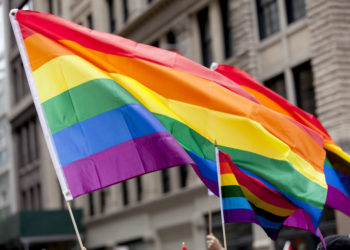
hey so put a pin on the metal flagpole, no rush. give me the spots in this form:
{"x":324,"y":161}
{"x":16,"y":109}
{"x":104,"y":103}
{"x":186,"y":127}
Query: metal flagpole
{"x":220,"y":195}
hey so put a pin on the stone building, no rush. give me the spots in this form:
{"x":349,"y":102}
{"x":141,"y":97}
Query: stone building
{"x":299,"y":48}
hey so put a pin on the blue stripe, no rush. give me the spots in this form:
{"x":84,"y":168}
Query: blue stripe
{"x":235,"y":203}
{"x":268,"y":224}
{"x":207,"y":168}
{"x":104,"y":131}
{"x":337,"y":179}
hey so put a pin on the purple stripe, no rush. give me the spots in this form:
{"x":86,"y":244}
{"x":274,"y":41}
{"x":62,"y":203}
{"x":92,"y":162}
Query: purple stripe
{"x":338,"y":200}
{"x":240,"y":215}
{"x":247,"y":215}
{"x":124,"y":161}
{"x":300,"y":219}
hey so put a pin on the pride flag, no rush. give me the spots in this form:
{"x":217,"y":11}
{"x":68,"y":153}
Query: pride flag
{"x":247,"y":199}
{"x":337,"y":164}
{"x":115,"y":109}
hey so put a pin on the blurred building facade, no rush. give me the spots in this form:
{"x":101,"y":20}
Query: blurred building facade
{"x":298,"y":48}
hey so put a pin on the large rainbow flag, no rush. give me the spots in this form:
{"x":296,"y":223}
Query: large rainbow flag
{"x":337,"y":164}
{"x":113,"y":109}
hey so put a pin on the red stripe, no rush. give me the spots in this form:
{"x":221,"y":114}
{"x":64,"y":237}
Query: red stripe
{"x":255,"y":186}
{"x":57,"y":28}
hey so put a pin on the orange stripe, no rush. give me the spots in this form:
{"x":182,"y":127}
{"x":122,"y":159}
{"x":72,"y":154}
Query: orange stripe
{"x":182,"y":86}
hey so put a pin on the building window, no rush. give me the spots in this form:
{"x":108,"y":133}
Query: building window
{"x":50,"y":3}
{"x":138,"y":244}
{"x":102,"y":201}
{"x":125,"y":10}
{"x":28,"y":144}
{"x":277,"y":84}
{"x":91,"y":204}
{"x":226,"y":27}
{"x":125,"y":193}
{"x":20,"y":85}
{"x":204,"y":29}
{"x":295,"y":10}
{"x":183,"y":175}
{"x":171,"y":40}
{"x":238,"y":235}
{"x":112,"y":19}
{"x":90,"y":21}
{"x":139,"y":188}
{"x":165,"y":180}
{"x":155,"y":44}
{"x":304,"y":88}
{"x":267,"y":17}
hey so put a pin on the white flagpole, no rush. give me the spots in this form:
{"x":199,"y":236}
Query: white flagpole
{"x":219,"y":186}
{"x":44,"y":125}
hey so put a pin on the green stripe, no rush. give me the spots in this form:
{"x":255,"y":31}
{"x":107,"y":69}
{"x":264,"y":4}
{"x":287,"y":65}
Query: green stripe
{"x":231,"y":191}
{"x":85,"y":101}
{"x":294,"y":183}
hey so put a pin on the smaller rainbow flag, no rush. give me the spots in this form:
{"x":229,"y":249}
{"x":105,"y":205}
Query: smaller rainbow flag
{"x":247,"y":199}
{"x":337,"y":163}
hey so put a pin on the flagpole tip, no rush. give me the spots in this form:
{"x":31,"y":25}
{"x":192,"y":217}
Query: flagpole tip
{"x":216,"y":144}
{"x":13,"y":12}
{"x":214,"y":65}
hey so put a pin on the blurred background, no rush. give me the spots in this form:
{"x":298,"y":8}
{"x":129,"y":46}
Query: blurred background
{"x":298,"y":48}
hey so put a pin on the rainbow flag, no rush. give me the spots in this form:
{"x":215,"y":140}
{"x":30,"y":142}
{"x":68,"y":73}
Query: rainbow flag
{"x":247,"y":199}
{"x":115,"y":109}
{"x":337,"y":164}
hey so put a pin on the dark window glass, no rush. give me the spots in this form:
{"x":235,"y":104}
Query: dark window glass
{"x":112,"y":19}
{"x":90,"y":22}
{"x":267,"y":17}
{"x":155,"y":44}
{"x":50,"y":3}
{"x":277,"y":84}
{"x":226,"y":27}
{"x":125,"y":193}
{"x":91,"y":204}
{"x":171,"y":39}
{"x":139,"y":188}
{"x":238,"y":235}
{"x":125,"y":10}
{"x":103,"y":201}
{"x":183,"y":175}
{"x":24,"y":202}
{"x":204,"y":29}
{"x":295,"y":10}
{"x":28,"y":144}
{"x":20,"y":84}
{"x":304,"y":87}
{"x":165,"y":180}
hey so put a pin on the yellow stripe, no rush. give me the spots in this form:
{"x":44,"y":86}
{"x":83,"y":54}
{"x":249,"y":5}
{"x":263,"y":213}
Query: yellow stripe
{"x":66,"y":72}
{"x":264,"y":205}
{"x":245,"y":134}
{"x":337,"y":150}
{"x":228,"y":180}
